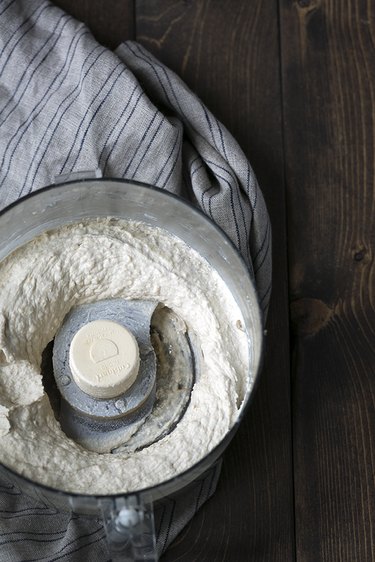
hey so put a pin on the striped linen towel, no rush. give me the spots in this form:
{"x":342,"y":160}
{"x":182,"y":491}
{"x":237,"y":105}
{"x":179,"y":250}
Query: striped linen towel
{"x":67,"y":104}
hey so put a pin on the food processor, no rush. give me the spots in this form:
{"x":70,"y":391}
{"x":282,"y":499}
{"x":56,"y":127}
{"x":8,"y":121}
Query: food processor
{"x":132,"y":347}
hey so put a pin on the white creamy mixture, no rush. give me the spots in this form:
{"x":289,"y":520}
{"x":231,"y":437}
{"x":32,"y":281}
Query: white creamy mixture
{"x":101,"y":259}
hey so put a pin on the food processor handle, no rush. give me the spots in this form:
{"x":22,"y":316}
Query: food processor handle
{"x":130,"y":530}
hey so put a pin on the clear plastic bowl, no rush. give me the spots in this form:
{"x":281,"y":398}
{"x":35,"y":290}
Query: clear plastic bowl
{"x":69,"y":202}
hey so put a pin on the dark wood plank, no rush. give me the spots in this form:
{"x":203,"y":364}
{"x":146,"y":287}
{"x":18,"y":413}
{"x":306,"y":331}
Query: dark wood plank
{"x":230,"y":58}
{"x":111,"y":22}
{"x":328,"y":75}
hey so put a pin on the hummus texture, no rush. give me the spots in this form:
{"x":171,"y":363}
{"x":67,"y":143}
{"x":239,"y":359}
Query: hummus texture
{"x":102,"y":259}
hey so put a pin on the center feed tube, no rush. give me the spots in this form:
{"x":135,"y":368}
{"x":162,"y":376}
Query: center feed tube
{"x":130,"y":529}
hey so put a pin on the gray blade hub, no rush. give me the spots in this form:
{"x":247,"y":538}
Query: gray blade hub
{"x":101,"y":424}
{"x":154,"y":404}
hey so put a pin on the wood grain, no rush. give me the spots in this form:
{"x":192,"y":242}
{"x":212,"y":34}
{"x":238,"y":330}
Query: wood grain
{"x":111,"y":22}
{"x":328,"y":75}
{"x":230,"y":58}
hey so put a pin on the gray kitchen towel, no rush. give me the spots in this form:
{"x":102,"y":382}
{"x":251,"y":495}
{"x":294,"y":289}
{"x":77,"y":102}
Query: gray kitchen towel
{"x":67,"y":104}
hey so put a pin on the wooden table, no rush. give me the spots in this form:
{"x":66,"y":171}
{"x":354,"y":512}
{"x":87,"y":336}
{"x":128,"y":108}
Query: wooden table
{"x":294,"y":81}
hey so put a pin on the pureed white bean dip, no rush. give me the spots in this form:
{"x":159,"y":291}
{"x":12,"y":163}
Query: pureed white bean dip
{"x":94,"y":260}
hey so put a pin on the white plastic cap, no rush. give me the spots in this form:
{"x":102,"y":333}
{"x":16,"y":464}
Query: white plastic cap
{"x":104,"y":359}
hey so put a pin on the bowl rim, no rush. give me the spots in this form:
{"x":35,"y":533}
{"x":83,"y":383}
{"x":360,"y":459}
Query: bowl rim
{"x":198,"y":468}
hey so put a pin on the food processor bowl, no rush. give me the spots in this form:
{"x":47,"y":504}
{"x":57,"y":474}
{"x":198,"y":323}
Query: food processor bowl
{"x":128,"y":518}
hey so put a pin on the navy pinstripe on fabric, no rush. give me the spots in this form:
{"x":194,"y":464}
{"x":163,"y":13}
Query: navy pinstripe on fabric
{"x":68,"y":60}
{"x":132,"y":112}
{"x":147,"y":147}
{"x":140,"y":144}
{"x":167,"y":167}
{"x":53,"y":131}
{"x":7,"y":6}
{"x":238,"y":210}
{"x":33,"y":113}
{"x":94,"y":115}
{"x":25,"y":80}
{"x":18,"y":38}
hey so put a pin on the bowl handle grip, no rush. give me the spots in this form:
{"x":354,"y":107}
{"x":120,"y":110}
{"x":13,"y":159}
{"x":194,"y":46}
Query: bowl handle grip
{"x":130,"y":530}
